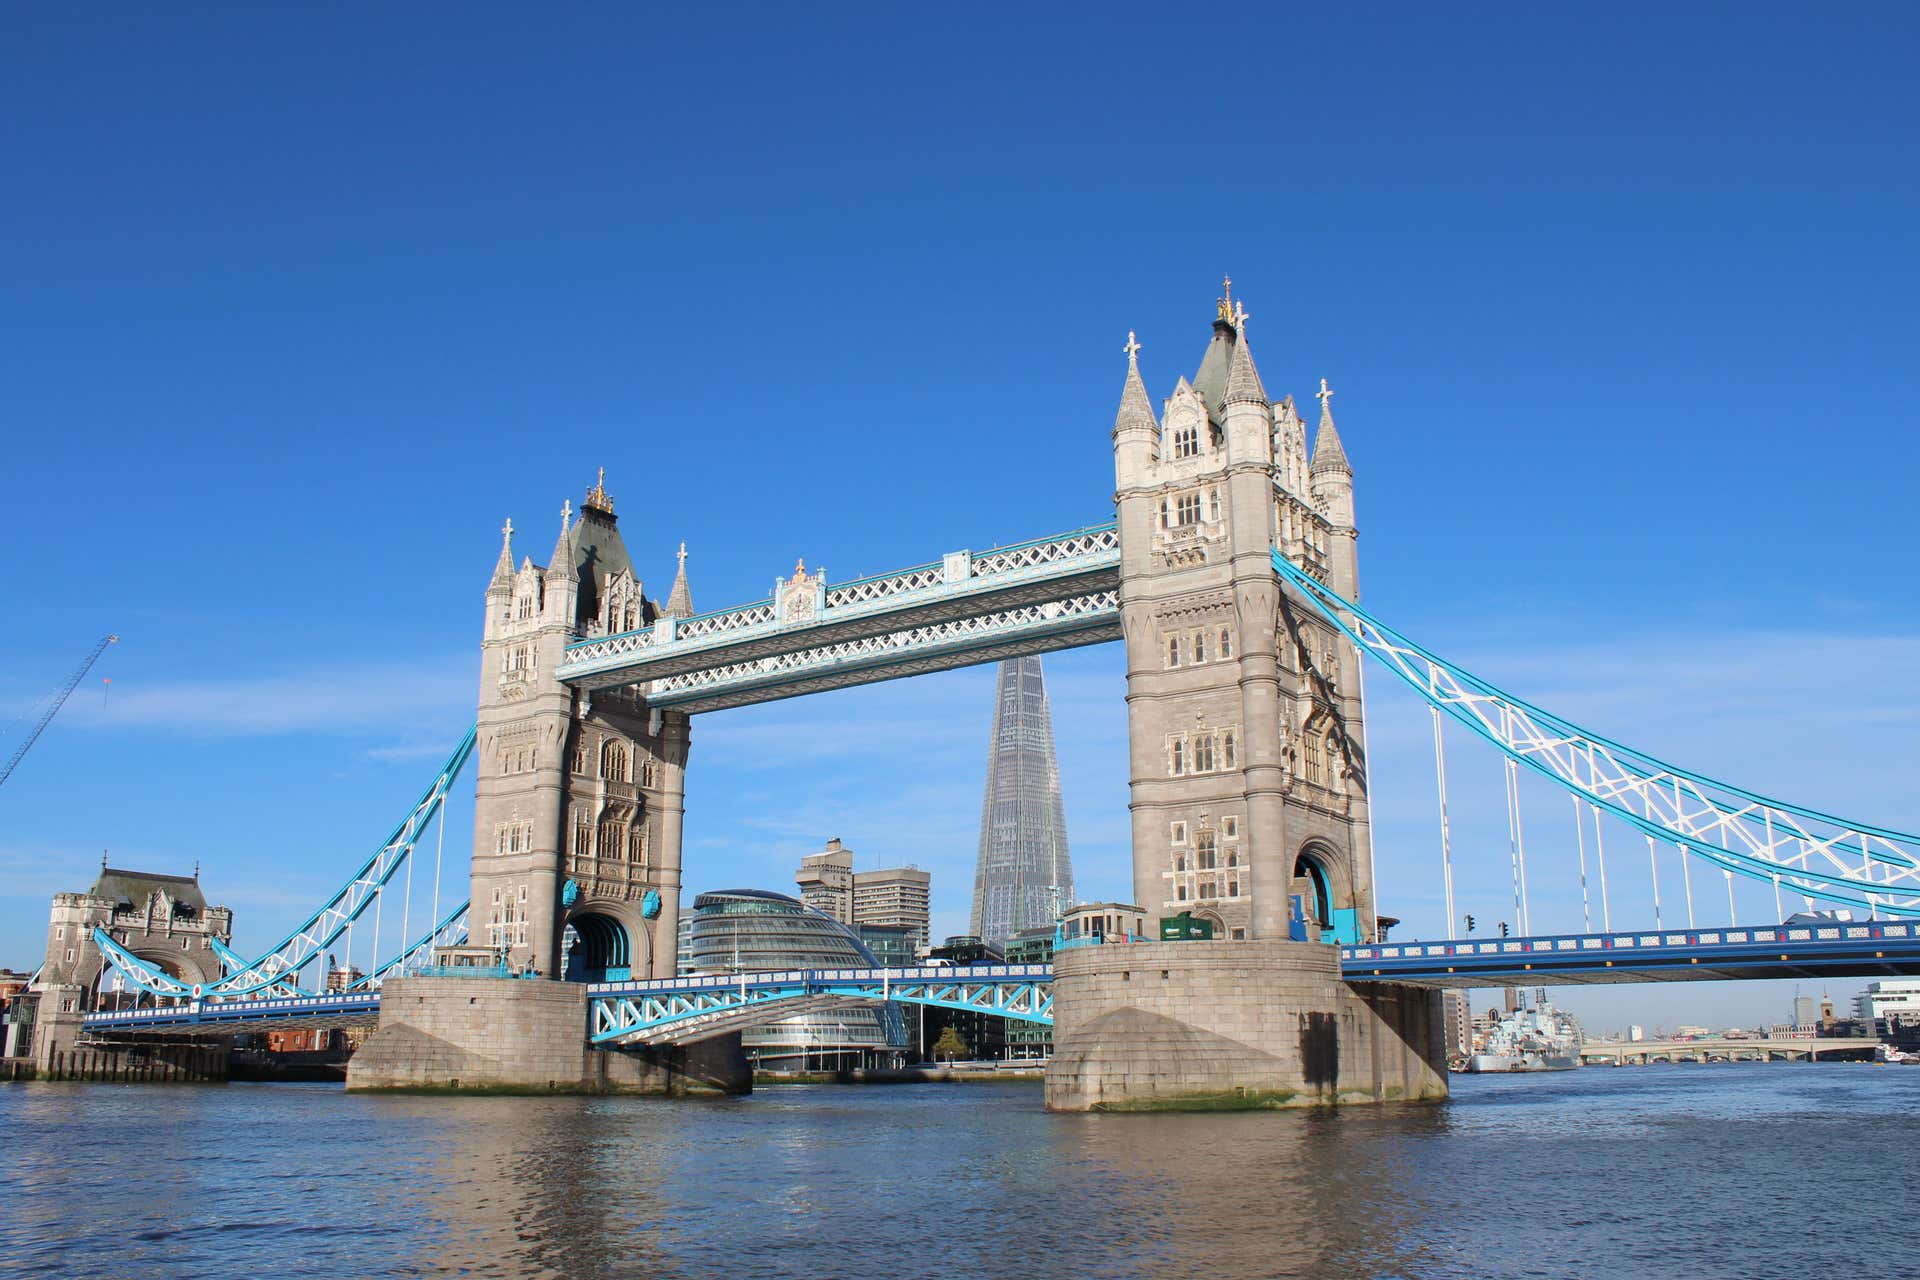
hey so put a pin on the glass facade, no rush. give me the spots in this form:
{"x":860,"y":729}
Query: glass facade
{"x":757,"y":931}
{"x":1025,"y":873}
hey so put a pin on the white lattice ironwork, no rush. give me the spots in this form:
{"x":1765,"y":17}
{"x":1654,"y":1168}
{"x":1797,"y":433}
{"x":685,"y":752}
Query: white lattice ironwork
{"x":962,"y":585}
{"x":1802,"y":850}
{"x":877,"y":657}
{"x":679,"y":1010}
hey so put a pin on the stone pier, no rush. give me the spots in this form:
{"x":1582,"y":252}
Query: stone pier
{"x":1182,"y":1026}
{"x":523,"y":1036}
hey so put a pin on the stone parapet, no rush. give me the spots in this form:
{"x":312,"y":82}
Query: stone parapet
{"x":521,"y":1035}
{"x":1228,"y":1025}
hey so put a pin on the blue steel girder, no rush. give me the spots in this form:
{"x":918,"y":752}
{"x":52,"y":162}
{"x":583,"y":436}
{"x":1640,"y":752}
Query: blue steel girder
{"x":684,"y":1009}
{"x":1835,"y":949}
{"x":1798,"y":849}
{"x":232,"y":1017}
{"x":1034,"y":597}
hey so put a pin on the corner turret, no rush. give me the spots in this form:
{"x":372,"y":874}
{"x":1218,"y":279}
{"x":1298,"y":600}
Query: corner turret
{"x":1136,"y":433}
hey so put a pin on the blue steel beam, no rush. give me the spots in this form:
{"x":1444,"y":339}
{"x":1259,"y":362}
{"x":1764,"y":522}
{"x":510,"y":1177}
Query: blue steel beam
{"x":232,"y":1017}
{"x":681,"y":1009}
{"x":1797,"y":849}
{"x":1840,"y":949}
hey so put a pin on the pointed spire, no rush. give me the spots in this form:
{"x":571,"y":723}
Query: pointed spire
{"x":1136,"y":411}
{"x":1243,"y":380}
{"x":503,"y":568}
{"x":1327,"y":453}
{"x":680,"y":599}
{"x":560,"y":563}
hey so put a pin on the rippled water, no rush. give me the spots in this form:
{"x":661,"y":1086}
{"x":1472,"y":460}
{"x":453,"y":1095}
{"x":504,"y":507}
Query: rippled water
{"x":1691,"y":1171}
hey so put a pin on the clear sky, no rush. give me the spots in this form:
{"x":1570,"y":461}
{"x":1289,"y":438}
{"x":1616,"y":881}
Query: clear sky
{"x":297,"y":306}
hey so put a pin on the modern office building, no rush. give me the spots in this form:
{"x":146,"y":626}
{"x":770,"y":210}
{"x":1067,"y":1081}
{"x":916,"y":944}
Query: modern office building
{"x":1892,"y":1001}
{"x":1024,"y":875}
{"x":755,"y":931}
{"x":890,"y":897}
{"x":895,"y":946}
{"x":1458,"y":1012}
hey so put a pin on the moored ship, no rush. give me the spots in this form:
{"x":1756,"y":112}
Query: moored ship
{"x":1542,"y":1038}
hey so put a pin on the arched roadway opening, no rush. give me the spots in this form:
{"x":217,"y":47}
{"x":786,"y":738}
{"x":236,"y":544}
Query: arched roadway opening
{"x":596,"y":948}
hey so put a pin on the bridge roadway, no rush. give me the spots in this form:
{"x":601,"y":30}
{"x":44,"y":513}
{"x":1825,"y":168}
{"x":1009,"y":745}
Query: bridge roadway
{"x":683,"y":1009}
{"x":1867,"y":949}
{"x":1757,"y":1050}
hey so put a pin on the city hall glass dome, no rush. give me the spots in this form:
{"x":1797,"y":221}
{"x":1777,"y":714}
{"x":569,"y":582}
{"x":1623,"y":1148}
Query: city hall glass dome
{"x":758,"y":931}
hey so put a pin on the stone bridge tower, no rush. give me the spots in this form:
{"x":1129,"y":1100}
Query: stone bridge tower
{"x":1248,"y":779}
{"x":577,"y":813}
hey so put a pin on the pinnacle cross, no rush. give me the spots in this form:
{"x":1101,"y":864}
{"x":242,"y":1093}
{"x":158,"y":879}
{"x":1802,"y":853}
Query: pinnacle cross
{"x":566,"y":515}
{"x":1132,"y":349}
{"x":506,"y":532}
{"x":682,"y":556}
{"x":1240,"y":316}
{"x":1323,"y":395}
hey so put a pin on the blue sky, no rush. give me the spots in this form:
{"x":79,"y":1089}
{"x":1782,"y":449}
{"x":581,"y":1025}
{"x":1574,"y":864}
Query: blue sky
{"x":298,"y":306}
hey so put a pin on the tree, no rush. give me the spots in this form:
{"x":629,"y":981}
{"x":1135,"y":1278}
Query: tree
{"x":950,"y":1045}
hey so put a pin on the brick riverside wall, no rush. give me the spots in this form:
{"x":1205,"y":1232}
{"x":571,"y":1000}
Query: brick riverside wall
{"x":516,"y":1034}
{"x":1173,"y":1025}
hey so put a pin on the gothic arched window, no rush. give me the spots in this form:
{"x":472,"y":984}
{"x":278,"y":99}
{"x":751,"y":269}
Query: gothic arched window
{"x":613,"y":762}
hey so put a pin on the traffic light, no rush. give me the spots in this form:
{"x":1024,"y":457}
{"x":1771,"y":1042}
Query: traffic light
{"x":1503,"y":928}
{"x":1469,"y":922}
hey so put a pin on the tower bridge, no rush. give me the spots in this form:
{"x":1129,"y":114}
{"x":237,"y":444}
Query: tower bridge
{"x":1229,"y":572}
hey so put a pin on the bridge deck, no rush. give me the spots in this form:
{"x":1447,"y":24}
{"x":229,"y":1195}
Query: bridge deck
{"x":970,"y":607}
{"x":1865,"y":950}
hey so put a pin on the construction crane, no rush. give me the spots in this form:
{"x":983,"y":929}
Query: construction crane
{"x":59,"y":700}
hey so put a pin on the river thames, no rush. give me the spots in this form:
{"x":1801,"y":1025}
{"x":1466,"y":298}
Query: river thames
{"x":1693,"y":1171}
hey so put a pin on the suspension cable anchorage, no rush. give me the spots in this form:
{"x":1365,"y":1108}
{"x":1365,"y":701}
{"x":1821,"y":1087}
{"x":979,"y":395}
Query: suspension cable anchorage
{"x":1639,"y":788}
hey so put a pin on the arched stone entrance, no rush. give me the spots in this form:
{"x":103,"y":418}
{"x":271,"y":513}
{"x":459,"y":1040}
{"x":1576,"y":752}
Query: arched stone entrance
{"x":599,"y":945}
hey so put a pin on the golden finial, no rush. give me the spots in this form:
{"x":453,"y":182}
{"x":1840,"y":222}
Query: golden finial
{"x":597,"y":499}
{"x":800,"y":567}
{"x":1225,"y":308}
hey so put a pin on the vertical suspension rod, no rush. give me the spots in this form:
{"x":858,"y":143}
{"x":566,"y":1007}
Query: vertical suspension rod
{"x":1580,"y":839}
{"x":1653,"y":864}
{"x":1446,"y":839}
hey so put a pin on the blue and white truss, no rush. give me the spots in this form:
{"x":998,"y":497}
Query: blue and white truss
{"x":969,"y":607}
{"x":273,"y":970}
{"x":1803,"y":850}
{"x":678,"y":1010}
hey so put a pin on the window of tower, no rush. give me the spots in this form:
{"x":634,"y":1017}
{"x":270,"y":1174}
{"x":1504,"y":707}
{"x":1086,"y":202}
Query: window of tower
{"x":1180,"y":893}
{"x":1173,"y":651}
{"x":1186,"y":441}
{"x":1226,"y":642}
{"x":1208,"y":855}
{"x":613,"y":839}
{"x":649,"y":772}
{"x":582,"y":836}
{"x":637,"y":847}
{"x":579,"y":764}
{"x":1203,"y":761}
{"x":1199,"y":646}
{"x":613,"y":762}
{"x":1179,"y":756}
{"x":1227,"y":750}
{"x":1213,"y":505}
{"x":1187,"y":510}
{"x":1179,"y":833}
{"x":1315,"y":757}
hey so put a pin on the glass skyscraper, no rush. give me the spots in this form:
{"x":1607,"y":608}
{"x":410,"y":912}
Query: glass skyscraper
{"x":1024,"y":877}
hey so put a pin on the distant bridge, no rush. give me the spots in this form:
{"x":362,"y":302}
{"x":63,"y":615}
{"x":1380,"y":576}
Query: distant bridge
{"x":1759,"y":1050}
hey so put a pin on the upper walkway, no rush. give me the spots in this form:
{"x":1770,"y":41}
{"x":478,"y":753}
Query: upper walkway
{"x":809,"y":635}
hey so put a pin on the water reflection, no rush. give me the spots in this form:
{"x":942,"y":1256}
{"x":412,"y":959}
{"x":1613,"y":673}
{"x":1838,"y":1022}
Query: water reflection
{"x":1651,"y":1172}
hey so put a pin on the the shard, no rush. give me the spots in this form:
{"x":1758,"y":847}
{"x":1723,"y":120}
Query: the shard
{"x":1024,"y":877}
